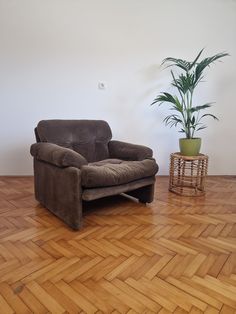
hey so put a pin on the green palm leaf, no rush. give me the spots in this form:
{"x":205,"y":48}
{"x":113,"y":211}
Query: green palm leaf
{"x":195,"y":61}
{"x":198,"y":108}
{"x":209,"y":115}
{"x":184,"y":65}
{"x":164,"y":97}
{"x":205,"y":63}
{"x":172,"y":120}
{"x":201,"y":128}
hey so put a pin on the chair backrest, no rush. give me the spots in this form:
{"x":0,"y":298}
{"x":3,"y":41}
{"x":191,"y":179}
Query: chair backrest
{"x":88,"y":137}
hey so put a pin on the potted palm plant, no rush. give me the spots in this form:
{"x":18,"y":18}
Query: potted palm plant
{"x":187,"y":115}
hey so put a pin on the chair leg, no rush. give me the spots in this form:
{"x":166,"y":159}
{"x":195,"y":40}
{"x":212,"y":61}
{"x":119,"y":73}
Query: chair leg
{"x":144,"y":194}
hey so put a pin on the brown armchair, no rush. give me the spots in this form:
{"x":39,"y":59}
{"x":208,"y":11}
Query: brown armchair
{"x":76,"y":161}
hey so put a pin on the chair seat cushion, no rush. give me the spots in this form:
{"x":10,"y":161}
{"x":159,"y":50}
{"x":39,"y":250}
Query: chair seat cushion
{"x":111,"y":172}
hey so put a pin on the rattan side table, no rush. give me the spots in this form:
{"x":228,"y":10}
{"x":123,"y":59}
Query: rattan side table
{"x":188,"y":174}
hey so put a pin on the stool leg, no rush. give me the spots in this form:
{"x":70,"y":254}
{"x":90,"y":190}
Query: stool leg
{"x":191,"y":180}
{"x":171,"y":179}
{"x":179,"y":172}
{"x":203,"y":174}
{"x":183,"y":176}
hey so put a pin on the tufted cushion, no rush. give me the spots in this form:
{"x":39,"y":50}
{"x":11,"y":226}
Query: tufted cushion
{"x":113,"y":172}
{"x":88,"y":137}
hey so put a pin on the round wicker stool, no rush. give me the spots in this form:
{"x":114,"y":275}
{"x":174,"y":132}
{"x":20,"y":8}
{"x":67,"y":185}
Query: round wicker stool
{"x":188,"y":174}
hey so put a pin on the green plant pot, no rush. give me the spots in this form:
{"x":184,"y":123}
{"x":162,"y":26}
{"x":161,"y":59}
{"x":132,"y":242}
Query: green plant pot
{"x":190,"y":147}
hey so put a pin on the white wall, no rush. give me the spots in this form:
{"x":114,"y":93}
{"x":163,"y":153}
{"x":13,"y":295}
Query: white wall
{"x":53,"y":53}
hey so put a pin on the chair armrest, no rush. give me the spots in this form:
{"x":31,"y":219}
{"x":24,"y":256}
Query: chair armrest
{"x":57,"y":155}
{"x":127,"y":151}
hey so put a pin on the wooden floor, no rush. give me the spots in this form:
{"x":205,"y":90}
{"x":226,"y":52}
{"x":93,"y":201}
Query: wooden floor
{"x":176,"y":255}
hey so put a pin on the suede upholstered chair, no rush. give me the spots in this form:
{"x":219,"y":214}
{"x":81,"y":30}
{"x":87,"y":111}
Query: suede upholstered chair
{"x":76,"y":161}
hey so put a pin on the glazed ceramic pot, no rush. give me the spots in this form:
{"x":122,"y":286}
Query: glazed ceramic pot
{"x":190,"y":146}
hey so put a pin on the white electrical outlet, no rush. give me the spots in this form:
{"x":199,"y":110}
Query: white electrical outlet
{"x":102,"y":85}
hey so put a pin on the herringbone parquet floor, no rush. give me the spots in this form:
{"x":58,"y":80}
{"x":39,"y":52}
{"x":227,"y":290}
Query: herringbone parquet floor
{"x":176,"y":255}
